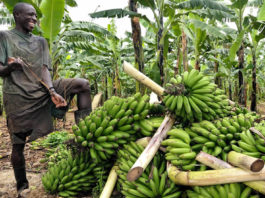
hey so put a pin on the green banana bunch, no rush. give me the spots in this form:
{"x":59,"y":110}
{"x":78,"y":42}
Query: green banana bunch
{"x":70,"y":176}
{"x":193,"y":97}
{"x":215,"y":138}
{"x":178,"y":149}
{"x":144,"y":128}
{"x":113,"y":125}
{"x":152,"y":183}
{"x":233,"y":190}
{"x":155,"y":121}
{"x":251,"y":144}
{"x":61,"y":152}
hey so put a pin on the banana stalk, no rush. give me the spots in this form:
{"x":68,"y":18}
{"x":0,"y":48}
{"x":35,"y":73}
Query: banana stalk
{"x":96,"y":101}
{"x":216,"y":163}
{"x":252,"y":129}
{"x":110,"y":184}
{"x":211,"y":177}
{"x":151,"y":149}
{"x":211,"y":161}
{"x":130,"y":70}
{"x":245,"y":162}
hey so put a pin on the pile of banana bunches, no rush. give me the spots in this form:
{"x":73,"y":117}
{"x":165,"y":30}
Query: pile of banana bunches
{"x":192,"y":97}
{"x":207,"y":123}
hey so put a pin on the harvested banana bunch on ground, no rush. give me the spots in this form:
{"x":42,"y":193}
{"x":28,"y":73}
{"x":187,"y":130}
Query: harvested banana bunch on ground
{"x":250,"y":143}
{"x":114,"y":124}
{"x":233,"y":190}
{"x":152,"y":183}
{"x":193,"y":97}
{"x":71,"y":176}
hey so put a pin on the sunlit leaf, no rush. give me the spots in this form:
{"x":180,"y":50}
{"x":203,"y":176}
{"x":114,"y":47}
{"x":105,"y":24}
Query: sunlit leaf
{"x":212,"y":30}
{"x":199,"y":4}
{"x":236,"y":45}
{"x":119,"y":13}
{"x":53,"y":11}
{"x":261,"y":13}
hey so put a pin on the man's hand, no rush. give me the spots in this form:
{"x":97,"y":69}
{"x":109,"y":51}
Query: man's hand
{"x":58,"y":100}
{"x":14,"y":63}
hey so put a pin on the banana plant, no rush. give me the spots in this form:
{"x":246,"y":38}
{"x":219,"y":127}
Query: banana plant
{"x":96,"y":52}
{"x":256,"y":35}
{"x":239,"y":7}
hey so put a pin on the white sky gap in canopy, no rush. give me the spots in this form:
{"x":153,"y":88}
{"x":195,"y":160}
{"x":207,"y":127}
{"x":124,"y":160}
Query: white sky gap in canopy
{"x":81,"y":13}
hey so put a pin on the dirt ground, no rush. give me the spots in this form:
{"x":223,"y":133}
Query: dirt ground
{"x":34,"y":168}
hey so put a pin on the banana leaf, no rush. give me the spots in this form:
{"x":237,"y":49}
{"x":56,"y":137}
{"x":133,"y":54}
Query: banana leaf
{"x":261,"y":14}
{"x":236,"y":45}
{"x":53,"y":11}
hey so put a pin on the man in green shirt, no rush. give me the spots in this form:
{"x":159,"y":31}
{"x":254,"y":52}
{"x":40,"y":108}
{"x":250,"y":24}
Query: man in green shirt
{"x":29,"y":94}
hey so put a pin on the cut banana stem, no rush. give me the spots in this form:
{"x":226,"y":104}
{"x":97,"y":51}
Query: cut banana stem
{"x":216,"y":163}
{"x":212,"y":161}
{"x":130,"y":70}
{"x":151,"y":149}
{"x":232,"y":103}
{"x":96,"y":101}
{"x":110,"y":184}
{"x":252,"y":129}
{"x":212,"y":177}
{"x":246,"y":162}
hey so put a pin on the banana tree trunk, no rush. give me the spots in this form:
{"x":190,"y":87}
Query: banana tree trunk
{"x":236,"y":91}
{"x":177,"y":68}
{"x":230,"y":89}
{"x":197,"y":60}
{"x":137,"y":42}
{"x":117,"y":82}
{"x":105,"y":85}
{"x":109,"y":86}
{"x":96,"y":86}
{"x":216,"y":69}
{"x":184,"y":51}
{"x":160,"y":48}
{"x":241,"y":85}
{"x":253,"y":106}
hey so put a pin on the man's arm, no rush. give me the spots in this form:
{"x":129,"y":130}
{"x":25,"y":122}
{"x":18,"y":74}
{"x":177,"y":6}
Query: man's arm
{"x":13,"y":64}
{"x":58,"y":100}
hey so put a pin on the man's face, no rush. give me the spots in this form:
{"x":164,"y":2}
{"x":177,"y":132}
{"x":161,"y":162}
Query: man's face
{"x":27,"y":18}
